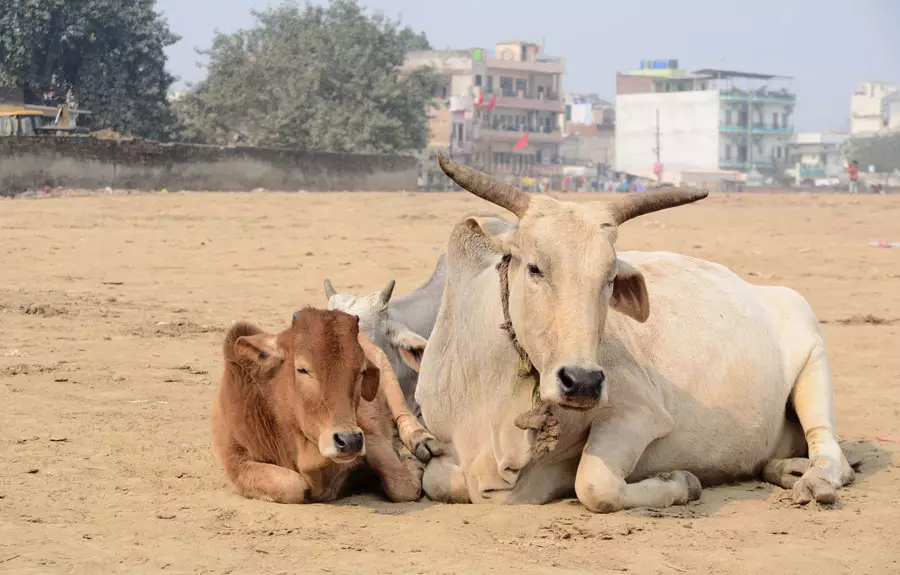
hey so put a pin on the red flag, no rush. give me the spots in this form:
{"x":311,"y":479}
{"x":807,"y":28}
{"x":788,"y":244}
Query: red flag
{"x":491,"y":104}
{"x":480,"y":100}
{"x":523,"y":141}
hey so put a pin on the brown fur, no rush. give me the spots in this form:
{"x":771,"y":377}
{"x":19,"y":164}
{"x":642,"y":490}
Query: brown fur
{"x":283,"y":397}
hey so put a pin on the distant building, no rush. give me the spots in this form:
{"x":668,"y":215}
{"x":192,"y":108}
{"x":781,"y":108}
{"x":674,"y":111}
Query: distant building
{"x":817,"y":155}
{"x":487,"y":103}
{"x":589,"y":132}
{"x":706,"y":121}
{"x":875,"y":109}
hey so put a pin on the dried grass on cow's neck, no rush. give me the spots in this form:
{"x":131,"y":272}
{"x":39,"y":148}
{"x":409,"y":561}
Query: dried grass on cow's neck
{"x":540,"y":418}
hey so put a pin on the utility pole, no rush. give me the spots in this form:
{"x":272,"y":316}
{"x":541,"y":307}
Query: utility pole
{"x":656,"y":149}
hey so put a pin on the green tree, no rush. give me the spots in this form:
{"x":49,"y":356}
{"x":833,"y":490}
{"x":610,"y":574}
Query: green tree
{"x":109,"y":53}
{"x":313,"y":77}
{"x":881,"y":151}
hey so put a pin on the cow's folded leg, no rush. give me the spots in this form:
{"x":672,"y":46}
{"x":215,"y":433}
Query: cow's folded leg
{"x":811,"y":398}
{"x":613,"y":448}
{"x":268,"y":482}
{"x":400,"y":481}
{"x":444,"y":481}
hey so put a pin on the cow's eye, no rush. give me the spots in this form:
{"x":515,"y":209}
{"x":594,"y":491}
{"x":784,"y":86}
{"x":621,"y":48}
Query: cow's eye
{"x":263,"y":356}
{"x":302,"y":371}
{"x":535,"y":271}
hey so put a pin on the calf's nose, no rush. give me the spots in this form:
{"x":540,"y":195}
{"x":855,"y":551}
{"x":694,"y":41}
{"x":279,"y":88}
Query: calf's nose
{"x":581,"y":382}
{"x":348,"y":443}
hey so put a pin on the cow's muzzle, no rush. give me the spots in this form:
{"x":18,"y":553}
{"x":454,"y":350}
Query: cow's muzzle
{"x":580,"y":387}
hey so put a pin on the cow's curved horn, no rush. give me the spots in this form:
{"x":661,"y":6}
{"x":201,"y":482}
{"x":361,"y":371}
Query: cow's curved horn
{"x":634,"y":205}
{"x":387,"y":291}
{"x":486,"y":187}
{"x":329,"y":289}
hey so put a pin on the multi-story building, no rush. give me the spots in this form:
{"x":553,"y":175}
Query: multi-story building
{"x":875,"y":109}
{"x":489,"y":102}
{"x":706,"y":121}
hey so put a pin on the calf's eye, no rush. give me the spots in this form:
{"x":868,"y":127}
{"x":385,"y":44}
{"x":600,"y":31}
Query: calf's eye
{"x":263,"y":356}
{"x":302,"y":371}
{"x":534,"y":271}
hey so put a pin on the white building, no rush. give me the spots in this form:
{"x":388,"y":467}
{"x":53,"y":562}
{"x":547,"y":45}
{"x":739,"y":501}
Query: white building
{"x":817,"y":156}
{"x":875,"y":109}
{"x":708,"y":121}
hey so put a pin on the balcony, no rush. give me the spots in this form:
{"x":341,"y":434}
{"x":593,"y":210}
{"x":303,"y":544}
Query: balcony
{"x":782,"y":96}
{"x":756,"y":129}
{"x":511,"y":100}
{"x":506,"y":134}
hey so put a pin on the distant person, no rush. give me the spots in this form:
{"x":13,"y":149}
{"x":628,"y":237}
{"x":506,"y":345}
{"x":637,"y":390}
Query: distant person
{"x":853,"y":171}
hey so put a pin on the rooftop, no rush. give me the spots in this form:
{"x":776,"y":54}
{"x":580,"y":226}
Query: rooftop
{"x":723,"y":74}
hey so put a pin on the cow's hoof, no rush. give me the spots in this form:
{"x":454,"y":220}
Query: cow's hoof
{"x":425,"y":446}
{"x":814,"y":485}
{"x":785,"y":473}
{"x":689,"y":487}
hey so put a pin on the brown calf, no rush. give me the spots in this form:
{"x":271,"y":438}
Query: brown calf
{"x":288,"y":424}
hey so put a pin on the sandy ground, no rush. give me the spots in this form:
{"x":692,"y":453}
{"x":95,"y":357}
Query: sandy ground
{"x":111,"y":314}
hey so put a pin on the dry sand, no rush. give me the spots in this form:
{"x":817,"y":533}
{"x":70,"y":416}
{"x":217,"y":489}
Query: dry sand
{"x":111,"y":314}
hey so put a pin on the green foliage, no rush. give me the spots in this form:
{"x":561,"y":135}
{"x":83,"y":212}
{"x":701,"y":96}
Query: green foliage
{"x":110,"y":53}
{"x":882,"y":151}
{"x":313,"y":77}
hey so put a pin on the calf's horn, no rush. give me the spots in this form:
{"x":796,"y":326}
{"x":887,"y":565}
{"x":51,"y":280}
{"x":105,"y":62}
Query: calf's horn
{"x":486,"y":187}
{"x":634,"y":205}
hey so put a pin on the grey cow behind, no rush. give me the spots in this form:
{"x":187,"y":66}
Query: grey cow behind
{"x":400,"y":327}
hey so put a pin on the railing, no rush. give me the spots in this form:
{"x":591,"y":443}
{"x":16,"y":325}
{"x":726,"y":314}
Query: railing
{"x":757,"y":128}
{"x":725,"y":164}
{"x":770,"y":95}
{"x":501,"y":133}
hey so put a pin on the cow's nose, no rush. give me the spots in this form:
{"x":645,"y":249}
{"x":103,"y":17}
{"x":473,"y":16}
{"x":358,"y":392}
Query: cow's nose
{"x":580,"y":382}
{"x":348,"y":442}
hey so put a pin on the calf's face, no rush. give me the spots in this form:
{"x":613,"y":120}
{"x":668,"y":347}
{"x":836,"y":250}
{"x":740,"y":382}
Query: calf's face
{"x":313,"y":375}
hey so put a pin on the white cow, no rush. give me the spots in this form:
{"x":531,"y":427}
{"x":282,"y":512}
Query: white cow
{"x":695,"y":377}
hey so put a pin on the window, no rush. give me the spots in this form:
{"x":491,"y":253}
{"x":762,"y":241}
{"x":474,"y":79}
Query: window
{"x":490,"y":84}
{"x":506,"y":86}
{"x":521,"y":86}
{"x":728,"y":118}
{"x":727,"y":152}
{"x":478,"y":79}
{"x":6,"y":127}
{"x":784,"y":120}
{"x":775,"y":119}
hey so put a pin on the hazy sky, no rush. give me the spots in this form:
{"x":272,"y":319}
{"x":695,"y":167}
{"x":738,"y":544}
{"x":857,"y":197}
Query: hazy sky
{"x":828,"y":46}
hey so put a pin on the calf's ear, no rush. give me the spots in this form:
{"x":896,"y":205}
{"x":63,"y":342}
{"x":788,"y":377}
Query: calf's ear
{"x":630,"y":293}
{"x":260,"y":349}
{"x":370,"y":380}
{"x":409,"y":345}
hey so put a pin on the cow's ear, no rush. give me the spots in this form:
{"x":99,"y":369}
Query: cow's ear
{"x":500,"y":233}
{"x":409,"y":345}
{"x":261,"y":349}
{"x":630,"y":293}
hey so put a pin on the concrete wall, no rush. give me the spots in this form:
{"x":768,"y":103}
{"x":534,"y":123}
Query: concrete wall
{"x":688,"y":127}
{"x":91,"y":163}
